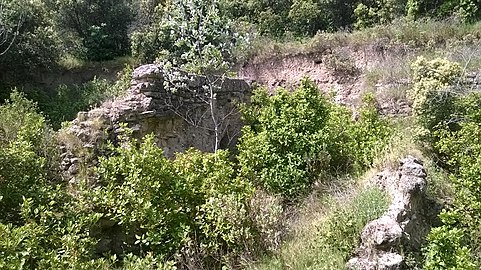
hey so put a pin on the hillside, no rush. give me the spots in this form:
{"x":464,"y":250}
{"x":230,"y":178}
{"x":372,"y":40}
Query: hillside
{"x":211,"y":134}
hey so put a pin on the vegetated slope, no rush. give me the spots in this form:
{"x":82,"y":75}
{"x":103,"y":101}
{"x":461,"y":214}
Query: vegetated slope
{"x":383,"y":66}
{"x":374,"y":60}
{"x":137,"y":209}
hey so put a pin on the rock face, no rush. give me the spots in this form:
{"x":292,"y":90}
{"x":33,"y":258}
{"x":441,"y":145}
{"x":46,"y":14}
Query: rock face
{"x":403,"y":227}
{"x":178,"y":113}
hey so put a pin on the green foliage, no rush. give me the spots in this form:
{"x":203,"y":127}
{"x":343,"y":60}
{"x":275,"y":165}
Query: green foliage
{"x":22,"y":173}
{"x":303,"y":15}
{"x":192,"y":204}
{"x":466,"y":10}
{"x":446,"y":248}
{"x":449,"y":118}
{"x":300,"y":18}
{"x":202,"y":44}
{"x":39,"y":227}
{"x":101,"y":25}
{"x":20,"y":120}
{"x":37,"y":45}
{"x":433,"y":93}
{"x":292,"y":138}
{"x":148,"y":262}
{"x":283,"y":139}
{"x":369,"y":13}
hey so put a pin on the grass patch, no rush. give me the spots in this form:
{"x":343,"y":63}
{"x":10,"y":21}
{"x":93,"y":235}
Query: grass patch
{"x":70,"y":62}
{"x":327,"y":232}
{"x":401,"y":144}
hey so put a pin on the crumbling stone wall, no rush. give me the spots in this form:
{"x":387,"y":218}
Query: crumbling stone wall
{"x":403,"y":228}
{"x":178,"y":115}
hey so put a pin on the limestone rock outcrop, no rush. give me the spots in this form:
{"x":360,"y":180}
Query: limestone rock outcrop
{"x":175,"y":109}
{"x":403,"y":227}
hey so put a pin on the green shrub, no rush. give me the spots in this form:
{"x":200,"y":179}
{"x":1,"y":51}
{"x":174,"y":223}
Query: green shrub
{"x":304,"y":15}
{"x":446,"y":248}
{"x":433,"y":93}
{"x":192,"y":206}
{"x":292,"y":138}
{"x":101,"y":26}
{"x":369,"y":13}
{"x":449,"y":118}
{"x":22,"y":167}
{"x":41,"y":226}
{"x":204,"y":43}
{"x":284,"y":138}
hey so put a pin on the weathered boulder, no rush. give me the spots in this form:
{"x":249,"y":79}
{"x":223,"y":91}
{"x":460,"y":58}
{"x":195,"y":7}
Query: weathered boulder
{"x":403,"y":227}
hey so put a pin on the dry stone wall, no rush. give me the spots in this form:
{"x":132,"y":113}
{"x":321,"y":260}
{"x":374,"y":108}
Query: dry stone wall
{"x":403,"y":228}
{"x":175,"y":109}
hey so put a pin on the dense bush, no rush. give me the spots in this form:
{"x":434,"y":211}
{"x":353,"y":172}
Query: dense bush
{"x":100,"y":25}
{"x":300,"y":18}
{"x":292,"y":138}
{"x":38,"y":225}
{"x":36,"y":45}
{"x":193,"y":206}
{"x":449,"y":117}
{"x":369,"y":13}
{"x":433,"y":93}
{"x":446,"y":247}
{"x":467,"y":10}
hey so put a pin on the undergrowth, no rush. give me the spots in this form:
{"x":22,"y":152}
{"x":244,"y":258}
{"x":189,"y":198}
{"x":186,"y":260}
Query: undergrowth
{"x":327,"y":231}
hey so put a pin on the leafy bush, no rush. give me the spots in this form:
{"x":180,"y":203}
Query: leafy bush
{"x":292,"y":138}
{"x":467,"y":10}
{"x":446,"y":248}
{"x":283,"y":138}
{"x":39,"y":227}
{"x":203,"y":43}
{"x":371,"y":12}
{"x":449,"y":117}
{"x":22,"y":169}
{"x":36,"y":45}
{"x":433,"y":93}
{"x":100,"y":25}
{"x":193,"y":206}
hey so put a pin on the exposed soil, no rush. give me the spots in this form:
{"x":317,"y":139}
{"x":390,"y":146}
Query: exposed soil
{"x":339,"y":72}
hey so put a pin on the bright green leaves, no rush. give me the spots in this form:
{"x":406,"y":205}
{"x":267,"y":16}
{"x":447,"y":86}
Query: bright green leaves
{"x":294,"y":137}
{"x":284,"y":136}
{"x":446,"y":250}
{"x":433,"y":93}
{"x":169,"y":205}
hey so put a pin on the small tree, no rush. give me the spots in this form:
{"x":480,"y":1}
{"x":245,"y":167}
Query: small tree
{"x":193,"y":36}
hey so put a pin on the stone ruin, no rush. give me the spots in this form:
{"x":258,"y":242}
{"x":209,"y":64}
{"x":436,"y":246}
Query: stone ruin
{"x":404,"y":227}
{"x":177,"y":113}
